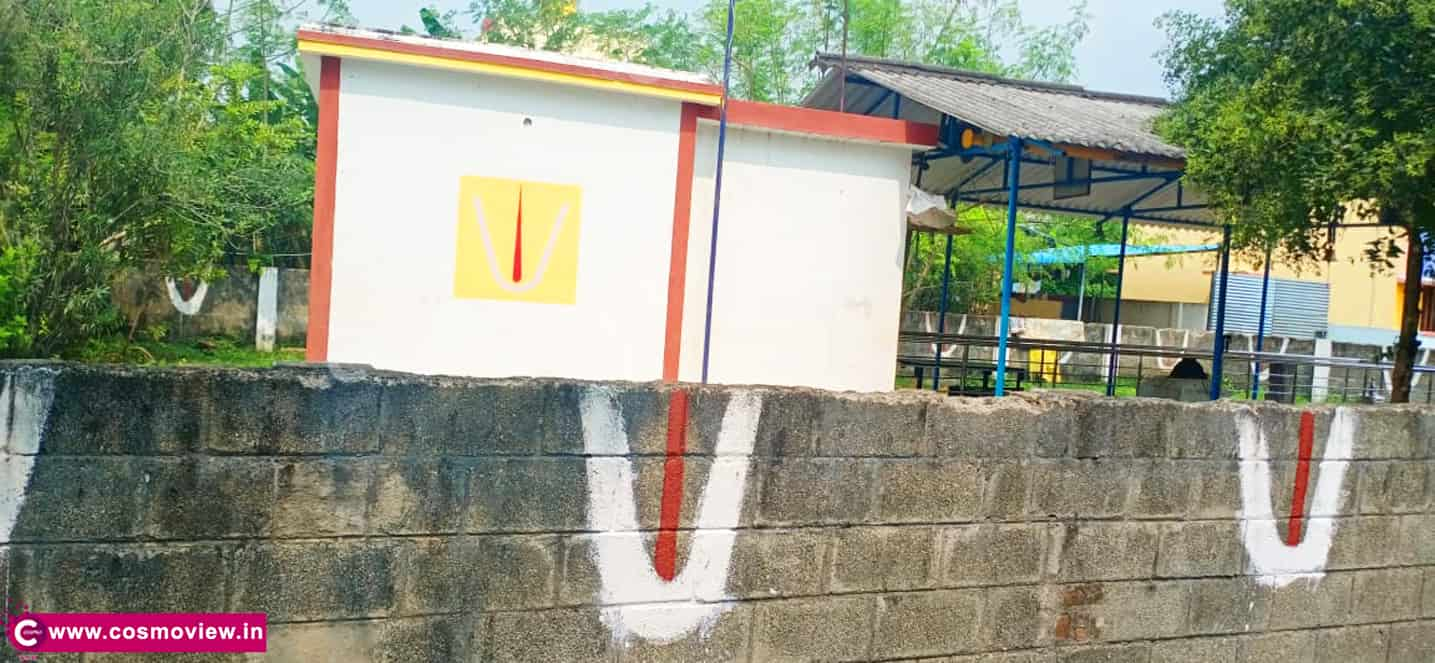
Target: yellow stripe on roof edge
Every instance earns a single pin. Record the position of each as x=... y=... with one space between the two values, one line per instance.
x=509 y=71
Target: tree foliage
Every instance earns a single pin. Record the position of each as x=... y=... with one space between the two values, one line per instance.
x=133 y=137
x=778 y=38
x=1297 y=114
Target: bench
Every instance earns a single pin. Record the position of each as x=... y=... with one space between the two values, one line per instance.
x=920 y=364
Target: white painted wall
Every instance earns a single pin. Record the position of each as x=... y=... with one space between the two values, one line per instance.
x=809 y=261
x=406 y=135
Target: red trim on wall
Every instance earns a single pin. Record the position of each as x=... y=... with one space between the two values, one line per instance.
x=395 y=46
x=1302 y=478
x=678 y=260
x=321 y=264
x=827 y=123
x=665 y=553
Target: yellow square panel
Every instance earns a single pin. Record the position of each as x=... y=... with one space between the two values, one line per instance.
x=517 y=240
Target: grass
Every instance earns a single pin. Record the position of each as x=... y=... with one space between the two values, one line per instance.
x=1125 y=387
x=197 y=352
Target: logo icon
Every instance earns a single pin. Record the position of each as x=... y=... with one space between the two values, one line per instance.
x=517 y=241
x=26 y=632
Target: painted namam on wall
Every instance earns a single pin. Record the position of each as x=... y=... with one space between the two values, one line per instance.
x=517 y=241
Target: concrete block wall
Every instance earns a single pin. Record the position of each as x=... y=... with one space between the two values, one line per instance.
x=229 y=306
x=385 y=517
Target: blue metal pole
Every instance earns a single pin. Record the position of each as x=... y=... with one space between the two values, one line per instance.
x=717 y=190
x=1116 y=315
x=942 y=315
x=1008 y=266
x=1219 y=359
x=1261 y=327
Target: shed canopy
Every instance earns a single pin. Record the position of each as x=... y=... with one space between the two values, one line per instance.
x=1075 y=255
x=1084 y=152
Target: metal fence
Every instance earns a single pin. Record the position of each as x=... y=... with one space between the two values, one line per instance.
x=966 y=365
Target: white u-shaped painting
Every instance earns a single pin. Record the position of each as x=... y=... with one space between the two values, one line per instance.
x=189 y=306
x=1272 y=561
x=25 y=400
x=638 y=602
x=543 y=259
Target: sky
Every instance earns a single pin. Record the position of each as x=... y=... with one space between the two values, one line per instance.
x=1119 y=55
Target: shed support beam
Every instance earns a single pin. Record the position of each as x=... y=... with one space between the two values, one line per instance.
x=1261 y=327
x=1008 y=265
x=1115 y=355
x=1219 y=356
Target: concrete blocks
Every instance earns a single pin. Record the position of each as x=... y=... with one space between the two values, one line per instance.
x=120 y=578
x=1106 y=551
x=1386 y=595
x=867 y=559
x=1294 y=646
x=1201 y=548
x=815 y=491
x=850 y=427
x=1072 y=489
x=1200 y=650
x=977 y=555
x=564 y=634
x=1412 y=642
x=927 y=623
x=1356 y=644
x=827 y=629
x=318 y=580
x=928 y=491
x=208 y=497
x=381 y=517
x=769 y=564
x=1227 y=605
x=79 y=499
x=527 y=495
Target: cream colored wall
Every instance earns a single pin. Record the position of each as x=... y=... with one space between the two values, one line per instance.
x=809 y=271
x=407 y=136
x=1359 y=296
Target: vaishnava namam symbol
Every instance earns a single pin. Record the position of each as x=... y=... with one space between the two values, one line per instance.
x=517 y=241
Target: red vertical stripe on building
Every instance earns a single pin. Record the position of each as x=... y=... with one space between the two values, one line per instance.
x=321 y=263
x=1302 y=478
x=678 y=261
x=665 y=553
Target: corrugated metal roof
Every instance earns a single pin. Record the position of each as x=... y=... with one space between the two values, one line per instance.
x=1049 y=112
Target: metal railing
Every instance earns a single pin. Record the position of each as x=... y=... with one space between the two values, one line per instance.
x=966 y=361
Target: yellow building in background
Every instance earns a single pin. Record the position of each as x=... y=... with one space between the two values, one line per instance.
x=1174 y=291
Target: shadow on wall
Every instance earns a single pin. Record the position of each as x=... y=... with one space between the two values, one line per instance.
x=378 y=516
x=230 y=307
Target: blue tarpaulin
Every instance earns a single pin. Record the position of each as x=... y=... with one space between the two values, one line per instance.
x=1076 y=255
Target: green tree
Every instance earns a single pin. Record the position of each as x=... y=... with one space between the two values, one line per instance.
x=645 y=35
x=776 y=39
x=136 y=138
x=1296 y=114
x=103 y=100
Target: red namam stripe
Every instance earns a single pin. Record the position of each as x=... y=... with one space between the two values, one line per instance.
x=665 y=553
x=518 y=241
x=827 y=123
x=1302 y=478
x=321 y=275
x=395 y=46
